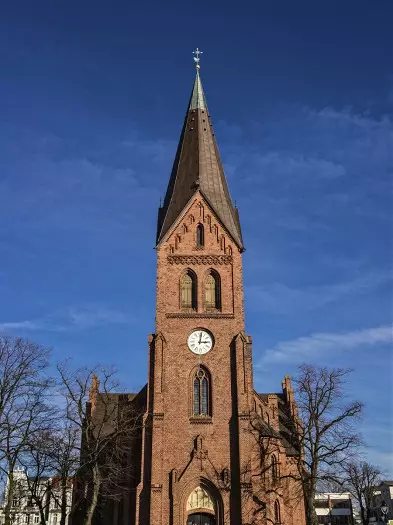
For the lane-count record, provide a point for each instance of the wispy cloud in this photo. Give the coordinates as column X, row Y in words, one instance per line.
column 279, row 298
column 70, row 319
column 302, row 348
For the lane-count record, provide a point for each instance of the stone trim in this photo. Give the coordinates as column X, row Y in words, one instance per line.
column 244, row 417
column 200, row 259
column 205, row 420
column 190, row 315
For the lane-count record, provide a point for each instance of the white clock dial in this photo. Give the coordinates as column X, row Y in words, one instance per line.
column 200, row 342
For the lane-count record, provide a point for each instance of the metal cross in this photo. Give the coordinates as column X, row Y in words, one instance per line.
column 196, row 58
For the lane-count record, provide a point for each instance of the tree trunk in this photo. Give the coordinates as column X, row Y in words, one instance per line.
column 42, row 513
column 10, row 495
column 363, row 515
column 311, row 515
column 63, row 505
column 94, row 497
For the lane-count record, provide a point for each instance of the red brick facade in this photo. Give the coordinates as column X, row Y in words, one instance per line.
column 218, row 452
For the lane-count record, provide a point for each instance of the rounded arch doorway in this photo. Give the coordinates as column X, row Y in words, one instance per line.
column 200, row 508
column 201, row 519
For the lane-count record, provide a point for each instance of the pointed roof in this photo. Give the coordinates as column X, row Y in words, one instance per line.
column 198, row 166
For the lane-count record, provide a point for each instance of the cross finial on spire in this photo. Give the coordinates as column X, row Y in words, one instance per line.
column 196, row 58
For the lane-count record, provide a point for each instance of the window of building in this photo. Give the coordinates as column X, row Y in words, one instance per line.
column 188, row 290
column 277, row 516
column 200, row 236
column 54, row 520
column 201, row 393
column 36, row 519
column 199, row 499
column 212, row 291
column 321, row 504
column 274, row 467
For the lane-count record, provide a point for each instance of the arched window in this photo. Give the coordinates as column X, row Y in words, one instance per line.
column 274, row 467
column 200, row 236
column 212, row 291
column 277, row 514
column 200, row 499
column 201, row 393
column 188, row 290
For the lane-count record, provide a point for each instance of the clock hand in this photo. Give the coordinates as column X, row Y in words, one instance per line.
column 200, row 337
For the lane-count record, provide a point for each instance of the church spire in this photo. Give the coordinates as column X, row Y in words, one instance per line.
column 198, row 166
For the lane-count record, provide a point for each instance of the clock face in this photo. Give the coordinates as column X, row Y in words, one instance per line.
column 200, row 342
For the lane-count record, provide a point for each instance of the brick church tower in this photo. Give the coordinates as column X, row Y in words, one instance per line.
column 211, row 450
column 198, row 452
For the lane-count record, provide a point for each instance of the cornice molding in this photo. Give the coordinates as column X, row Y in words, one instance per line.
column 190, row 315
column 200, row 259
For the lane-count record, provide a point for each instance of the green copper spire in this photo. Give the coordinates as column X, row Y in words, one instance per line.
column 197, row 97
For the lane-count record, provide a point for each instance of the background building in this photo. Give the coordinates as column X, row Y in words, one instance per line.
column 334, row 508
column 383, row 495
column 25, row 511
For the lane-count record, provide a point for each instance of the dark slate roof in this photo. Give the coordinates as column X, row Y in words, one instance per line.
column 198, row 166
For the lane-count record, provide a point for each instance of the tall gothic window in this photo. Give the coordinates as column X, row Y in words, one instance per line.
column 201, row 393
column 277, row 514
column 274, row 466
column 188, row 296
column 212, row 291
column 200, row 236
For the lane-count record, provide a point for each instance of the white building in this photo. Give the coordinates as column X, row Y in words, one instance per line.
column 334, row 508
column 25, row 511
column 383, row 495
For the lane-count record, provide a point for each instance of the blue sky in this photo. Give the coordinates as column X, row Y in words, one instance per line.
column 92, row 99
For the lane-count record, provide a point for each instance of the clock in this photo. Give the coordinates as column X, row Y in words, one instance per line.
column 200, row 341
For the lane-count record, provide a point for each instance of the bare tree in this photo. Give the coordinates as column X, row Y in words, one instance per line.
column 361, row 479
column 23, row 406
column 107, row 423
column 36, row 461
column 65, row 456
column 268, row 478
column 327, row 433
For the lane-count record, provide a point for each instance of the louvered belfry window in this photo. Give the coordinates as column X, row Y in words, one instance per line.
column 188, row 291
column 212, row 291
column 201, row 404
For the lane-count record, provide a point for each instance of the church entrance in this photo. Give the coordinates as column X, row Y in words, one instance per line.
column 201, row 519
column 201, row 508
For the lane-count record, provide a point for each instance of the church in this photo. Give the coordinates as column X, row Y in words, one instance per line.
column 211, row 449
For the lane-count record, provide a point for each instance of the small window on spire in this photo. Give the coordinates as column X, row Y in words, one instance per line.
column 200, row 236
